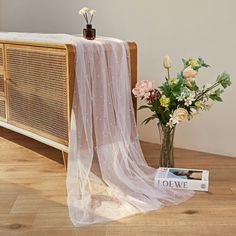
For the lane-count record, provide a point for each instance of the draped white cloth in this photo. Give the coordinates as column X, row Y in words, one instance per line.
column 108, row 177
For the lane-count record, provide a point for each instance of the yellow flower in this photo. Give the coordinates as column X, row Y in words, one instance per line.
column 173, row 80
column 165, row 101
column 197, row 104
column 193, row 62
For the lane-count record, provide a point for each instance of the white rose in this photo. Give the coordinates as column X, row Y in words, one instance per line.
column 181, row 114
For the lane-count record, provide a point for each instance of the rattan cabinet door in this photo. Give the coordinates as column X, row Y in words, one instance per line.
column 2, row 86
column 1, row 56
column 37, row 90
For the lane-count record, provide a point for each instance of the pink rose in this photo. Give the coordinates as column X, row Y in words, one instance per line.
column 146, row 85
column 189, row 73
column 138, row 93
column 143, row 87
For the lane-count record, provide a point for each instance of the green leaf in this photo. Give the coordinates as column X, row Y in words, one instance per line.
column 165, row 116
column 180, row 76
column 202, row 62
column 177, row 88
column 149, row 119
column 144, row 106
column 224, row 79
column 165, row 88
column 194, row 86
column 215, row 97
column 219, row 91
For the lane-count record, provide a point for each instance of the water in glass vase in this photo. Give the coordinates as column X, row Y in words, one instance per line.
column 166, row 142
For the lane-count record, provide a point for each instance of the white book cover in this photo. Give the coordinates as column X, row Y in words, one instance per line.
column 179, row 178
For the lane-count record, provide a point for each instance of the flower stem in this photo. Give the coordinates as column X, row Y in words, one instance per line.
column 168, row 72
column 86, row 17
column 91, row 19
column 207, row 90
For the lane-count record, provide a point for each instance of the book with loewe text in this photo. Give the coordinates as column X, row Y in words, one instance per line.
column 179, row 178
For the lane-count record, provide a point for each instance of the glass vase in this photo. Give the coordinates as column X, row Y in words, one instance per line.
column 89, row 32
column 166, row 142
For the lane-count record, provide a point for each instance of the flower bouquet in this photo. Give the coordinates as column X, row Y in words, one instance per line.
column 88, row 33
column 178, row 99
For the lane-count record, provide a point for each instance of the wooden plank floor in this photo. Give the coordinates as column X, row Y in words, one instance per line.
column 33, row 196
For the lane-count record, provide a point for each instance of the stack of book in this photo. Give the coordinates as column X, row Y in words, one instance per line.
column 178, row 178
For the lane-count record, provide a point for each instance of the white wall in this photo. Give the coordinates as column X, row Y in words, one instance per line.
column 183, row 28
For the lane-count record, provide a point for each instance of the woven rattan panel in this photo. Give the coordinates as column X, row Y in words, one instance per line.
column 1, row 57
column 2, row 109
column 1, row 83
column 37, row 90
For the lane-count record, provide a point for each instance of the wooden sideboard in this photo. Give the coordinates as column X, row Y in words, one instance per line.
column 36, row 89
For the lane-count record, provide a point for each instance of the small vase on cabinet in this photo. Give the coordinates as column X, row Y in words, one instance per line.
column 89, row 32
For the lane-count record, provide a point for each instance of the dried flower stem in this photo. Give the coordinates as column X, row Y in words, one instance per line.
column 91, row 19
column 86, row 17
column 207, row 90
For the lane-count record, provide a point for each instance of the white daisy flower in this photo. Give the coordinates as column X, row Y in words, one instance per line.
column 189, row 100
column 181, row 97
column 172, row 121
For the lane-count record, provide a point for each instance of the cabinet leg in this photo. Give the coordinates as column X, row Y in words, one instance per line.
column 65, row 159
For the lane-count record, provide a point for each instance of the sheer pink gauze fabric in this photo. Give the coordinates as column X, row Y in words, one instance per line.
column 109, row 179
